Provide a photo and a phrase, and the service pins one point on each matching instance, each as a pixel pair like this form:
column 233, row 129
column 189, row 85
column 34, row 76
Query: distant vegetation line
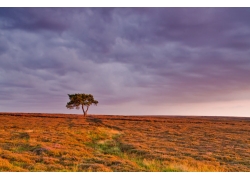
column 162, row 117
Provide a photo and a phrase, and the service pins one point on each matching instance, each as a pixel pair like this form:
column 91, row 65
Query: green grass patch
column 114, row 147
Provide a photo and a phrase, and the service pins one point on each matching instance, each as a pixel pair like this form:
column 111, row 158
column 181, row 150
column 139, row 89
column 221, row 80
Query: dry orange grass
column 58, row 142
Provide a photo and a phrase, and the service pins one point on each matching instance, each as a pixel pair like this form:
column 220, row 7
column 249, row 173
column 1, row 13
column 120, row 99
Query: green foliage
column 81, row 100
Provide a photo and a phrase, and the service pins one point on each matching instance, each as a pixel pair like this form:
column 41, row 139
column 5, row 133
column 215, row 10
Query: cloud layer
column 133, row 60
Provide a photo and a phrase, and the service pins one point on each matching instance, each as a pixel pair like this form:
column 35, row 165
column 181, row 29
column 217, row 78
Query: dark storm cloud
column 146, row 55
column 33, row 19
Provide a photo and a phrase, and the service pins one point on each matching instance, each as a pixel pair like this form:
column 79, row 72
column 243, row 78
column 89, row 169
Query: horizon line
column 124, row 115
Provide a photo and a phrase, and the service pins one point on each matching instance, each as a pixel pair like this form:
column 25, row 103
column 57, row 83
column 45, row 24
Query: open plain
column 71, row 143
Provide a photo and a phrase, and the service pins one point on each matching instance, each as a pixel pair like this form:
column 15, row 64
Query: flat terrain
column 58, row 142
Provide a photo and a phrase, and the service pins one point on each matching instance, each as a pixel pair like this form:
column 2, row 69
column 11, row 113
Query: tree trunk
column 85, row 112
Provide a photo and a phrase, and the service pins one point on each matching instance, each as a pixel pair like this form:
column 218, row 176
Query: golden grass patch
column 71, row 143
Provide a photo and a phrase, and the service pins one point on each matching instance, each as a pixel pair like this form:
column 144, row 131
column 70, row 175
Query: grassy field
column 71, row 143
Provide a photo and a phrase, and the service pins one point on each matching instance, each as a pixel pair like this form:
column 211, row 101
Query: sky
column 134, row 61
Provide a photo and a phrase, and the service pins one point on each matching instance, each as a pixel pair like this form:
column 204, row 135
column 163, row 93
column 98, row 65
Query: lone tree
column 77, row 100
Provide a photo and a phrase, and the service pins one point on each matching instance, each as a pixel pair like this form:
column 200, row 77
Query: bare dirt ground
column 60, row 142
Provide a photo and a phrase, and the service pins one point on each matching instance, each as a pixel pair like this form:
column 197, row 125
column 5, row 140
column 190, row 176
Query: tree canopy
column 81, row 100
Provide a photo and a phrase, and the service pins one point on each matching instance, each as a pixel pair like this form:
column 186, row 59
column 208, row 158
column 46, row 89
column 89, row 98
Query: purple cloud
column 123, row 56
